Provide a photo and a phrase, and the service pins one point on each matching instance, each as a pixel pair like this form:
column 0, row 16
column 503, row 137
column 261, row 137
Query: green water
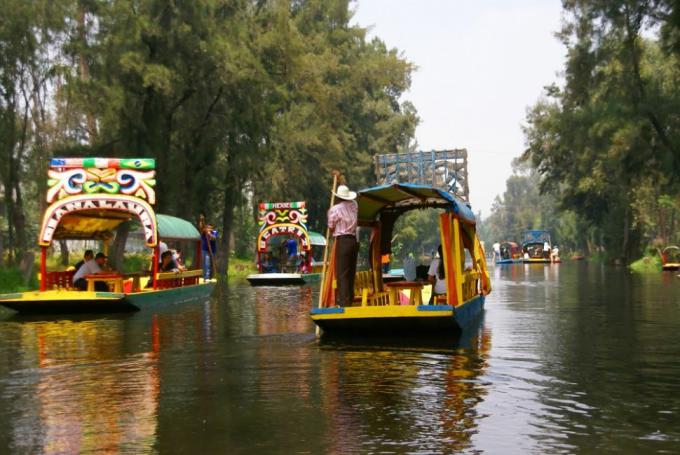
column 570, row 358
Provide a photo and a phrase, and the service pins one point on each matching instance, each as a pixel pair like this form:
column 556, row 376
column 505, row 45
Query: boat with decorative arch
column 670, row 258
column 287, row 252
column 88, row 199
column 381, row 307
column 510, row 253
column 533, row 246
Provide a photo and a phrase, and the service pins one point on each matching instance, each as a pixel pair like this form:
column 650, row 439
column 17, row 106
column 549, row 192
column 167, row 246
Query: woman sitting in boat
column 437, row 277
column 91, row 267
column 167, row 263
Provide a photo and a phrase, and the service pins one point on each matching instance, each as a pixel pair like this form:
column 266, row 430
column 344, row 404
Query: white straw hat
column 344, row 193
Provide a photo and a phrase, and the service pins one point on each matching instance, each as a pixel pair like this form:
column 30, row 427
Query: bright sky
column 480, row 65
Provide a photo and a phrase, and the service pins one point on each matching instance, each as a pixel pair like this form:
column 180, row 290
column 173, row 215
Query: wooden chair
column 364, row 290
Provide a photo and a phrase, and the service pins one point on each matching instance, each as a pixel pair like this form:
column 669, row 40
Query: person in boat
column 342, row 221
column 266, row 264
column 555, row 254
column 89, row 255
column 92, row 267
column 291, row 249
column 385, row 262
column 437, row 276
column 209, row 249
column 496, row 251
column 177, row 257
column 167, row 263
column 546, row 249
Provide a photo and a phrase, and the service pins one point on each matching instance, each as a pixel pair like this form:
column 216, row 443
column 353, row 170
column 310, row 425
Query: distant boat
column 89, row 198
column 534, row 247
column 282, row 222
column 511, row 253
column 670, row 258
column 577, row 257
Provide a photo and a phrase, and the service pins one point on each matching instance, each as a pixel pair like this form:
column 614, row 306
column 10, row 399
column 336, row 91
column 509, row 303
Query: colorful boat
column 511, row 253
column 89, row 198
column 381, row 307
column 534, row 247
column 279, row 224
column 670, row 258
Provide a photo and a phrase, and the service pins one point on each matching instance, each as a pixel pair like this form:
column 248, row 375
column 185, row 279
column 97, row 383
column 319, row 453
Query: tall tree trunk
column 118, row 248
column 626, row 235
column 63, row 248
column 84, row 67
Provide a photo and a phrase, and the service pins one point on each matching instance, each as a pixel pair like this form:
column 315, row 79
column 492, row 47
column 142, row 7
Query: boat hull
column 508, row 261
column 398, row 320
column 282, row 279
column 671, row 266
column 68, row 302
column 536, row 261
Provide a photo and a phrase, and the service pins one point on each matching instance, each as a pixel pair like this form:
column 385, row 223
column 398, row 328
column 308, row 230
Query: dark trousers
column 346, row 251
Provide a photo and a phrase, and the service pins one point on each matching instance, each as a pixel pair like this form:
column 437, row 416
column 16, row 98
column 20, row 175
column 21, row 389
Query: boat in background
column 281, row 222
column 534, row 247
column 670, row 258
column 511, row 253
column 89, row 198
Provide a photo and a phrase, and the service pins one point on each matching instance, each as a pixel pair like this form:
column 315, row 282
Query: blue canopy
column 401, row 197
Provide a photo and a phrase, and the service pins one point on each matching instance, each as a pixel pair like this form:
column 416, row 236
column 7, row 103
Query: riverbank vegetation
column 603, row 147
column 238, row 101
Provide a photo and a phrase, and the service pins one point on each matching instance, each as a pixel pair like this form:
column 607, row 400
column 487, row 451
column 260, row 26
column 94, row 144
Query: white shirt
column 546, row 246
column 439, row 285
column 497, row 247
column 88, row 268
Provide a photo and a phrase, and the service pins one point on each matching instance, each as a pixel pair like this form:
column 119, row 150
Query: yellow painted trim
column 62, row 295
column 384, row 311
column 457, row 261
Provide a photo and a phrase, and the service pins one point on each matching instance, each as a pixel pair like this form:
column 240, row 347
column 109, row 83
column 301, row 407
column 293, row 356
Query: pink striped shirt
column 342, row 218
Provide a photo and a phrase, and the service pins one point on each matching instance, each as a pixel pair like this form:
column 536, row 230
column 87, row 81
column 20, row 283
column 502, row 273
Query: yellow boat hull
column 398, row 319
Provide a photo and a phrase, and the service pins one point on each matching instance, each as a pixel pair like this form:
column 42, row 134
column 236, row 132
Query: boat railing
column 59, row 279
column 167, row 280
column 470, row 284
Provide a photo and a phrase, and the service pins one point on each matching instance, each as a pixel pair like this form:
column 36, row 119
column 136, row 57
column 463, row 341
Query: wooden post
column 155, row 266
column 328, row 236
column 43, row 268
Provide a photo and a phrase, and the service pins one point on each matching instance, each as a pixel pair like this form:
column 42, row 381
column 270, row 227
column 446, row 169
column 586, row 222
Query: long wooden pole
column 328, row 239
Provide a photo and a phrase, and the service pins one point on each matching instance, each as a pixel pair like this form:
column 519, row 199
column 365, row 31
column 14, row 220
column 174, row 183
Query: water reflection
column 407, row 395
column 68, row 397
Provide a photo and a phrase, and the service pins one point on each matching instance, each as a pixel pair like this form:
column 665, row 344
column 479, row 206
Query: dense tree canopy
column 606, row 144
column 238, row 101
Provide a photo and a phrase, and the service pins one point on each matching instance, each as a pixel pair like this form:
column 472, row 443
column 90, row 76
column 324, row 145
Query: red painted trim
column 43, row 268
column 155, row 266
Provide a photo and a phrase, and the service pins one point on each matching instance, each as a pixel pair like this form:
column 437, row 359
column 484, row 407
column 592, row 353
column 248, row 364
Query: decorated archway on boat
column 283, row 219
column 91, row 197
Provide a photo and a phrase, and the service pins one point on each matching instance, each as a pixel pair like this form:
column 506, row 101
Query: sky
column 481, row 64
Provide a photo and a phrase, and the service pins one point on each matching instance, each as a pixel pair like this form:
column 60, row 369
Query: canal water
column 571, row 358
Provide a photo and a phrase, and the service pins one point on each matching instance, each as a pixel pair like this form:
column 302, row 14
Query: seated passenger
column 91, row 267
column 177, row 257
column 89, row 255
column 437, row 277
column 167, row 263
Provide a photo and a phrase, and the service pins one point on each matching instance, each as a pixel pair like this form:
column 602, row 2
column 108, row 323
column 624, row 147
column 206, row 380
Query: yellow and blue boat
column 89, row 198
column 384, row 308
column 534, row 247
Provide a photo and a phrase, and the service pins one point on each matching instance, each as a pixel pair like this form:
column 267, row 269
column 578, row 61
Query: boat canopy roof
column 316, row 238
column 536, row 236
column 510, row 244
column 671, row 248
column 402, row 197
column 173, row 228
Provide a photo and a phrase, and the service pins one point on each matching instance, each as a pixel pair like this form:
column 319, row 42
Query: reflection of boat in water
column 378, row 305
column 89, row 199
column 287, row 252
column 511, row 253
column 670, row 258
column 536, row 246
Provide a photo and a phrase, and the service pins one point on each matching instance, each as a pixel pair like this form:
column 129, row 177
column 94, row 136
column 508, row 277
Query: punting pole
column 328, row 239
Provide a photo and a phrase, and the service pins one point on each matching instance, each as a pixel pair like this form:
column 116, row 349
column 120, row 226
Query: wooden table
column 109, row 278
column 136, row 279
column 415, row 288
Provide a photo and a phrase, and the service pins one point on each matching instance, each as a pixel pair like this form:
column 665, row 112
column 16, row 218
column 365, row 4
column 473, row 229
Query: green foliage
column 607, row 145
column 417, row 234
column 237, row 100
column 647, row 264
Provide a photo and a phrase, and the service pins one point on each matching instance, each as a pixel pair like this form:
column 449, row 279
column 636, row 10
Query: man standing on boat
column 342, row 220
